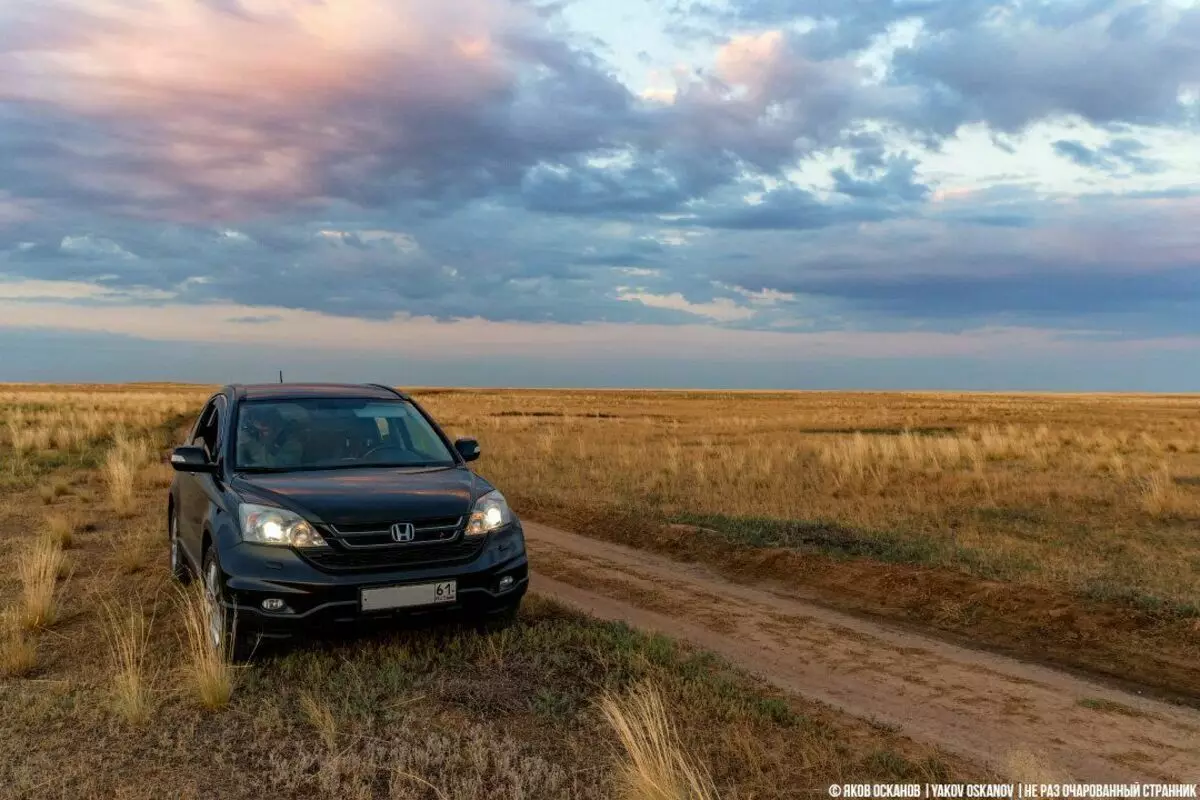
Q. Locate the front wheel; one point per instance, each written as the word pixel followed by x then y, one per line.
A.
pixel 222 626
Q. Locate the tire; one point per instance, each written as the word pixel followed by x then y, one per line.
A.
pixel 181 570
pixel 224 636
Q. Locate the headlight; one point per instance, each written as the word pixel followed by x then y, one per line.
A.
pixel 491 512
pixel 270 525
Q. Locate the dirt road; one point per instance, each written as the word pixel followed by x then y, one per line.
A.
pixel 980 705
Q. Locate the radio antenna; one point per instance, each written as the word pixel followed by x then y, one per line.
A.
pixel 281 376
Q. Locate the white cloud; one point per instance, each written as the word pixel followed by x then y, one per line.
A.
pixel 673 237
pixel 402 242
pixel 89 245
pixel 764 297
pixel 722 309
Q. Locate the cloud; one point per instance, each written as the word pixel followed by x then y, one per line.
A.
pixel 79 291
pixel 424 338
pixel 839 28
pixel 1026 294
pixel 720 309
pixel 841 165
pixel 1105 62
pixel 255 319
pixel 1007 63
pixel 759 297
pixel 1119 155
pixel 1111 262
pixel 374 103
pixel 296 102
pixel 365 239
pixel 584 189
pixel 896 181
pixel 791 209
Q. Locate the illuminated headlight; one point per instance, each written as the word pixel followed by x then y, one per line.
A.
pixel 270 525
pixel 491 512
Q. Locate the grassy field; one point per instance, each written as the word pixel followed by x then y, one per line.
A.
pixel 103 694
pixel 1099 496
pixel 1064 528
pixel 1061 527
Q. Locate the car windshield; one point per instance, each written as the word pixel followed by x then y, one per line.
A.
pixel 331 433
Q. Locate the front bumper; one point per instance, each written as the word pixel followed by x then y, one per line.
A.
pixel 319 601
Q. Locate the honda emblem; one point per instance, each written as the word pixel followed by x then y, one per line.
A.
pixel 403 532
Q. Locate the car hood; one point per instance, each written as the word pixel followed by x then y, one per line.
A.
pixel 351 496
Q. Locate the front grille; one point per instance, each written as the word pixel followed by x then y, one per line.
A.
pixel 338 560
pixel 379 534
pixel 369 546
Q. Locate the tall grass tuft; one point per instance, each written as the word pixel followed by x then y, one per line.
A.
pixel 1157 492
pixel 656 768
pixel 118 477
pixel 38 569
pixel 320 716
pixel 61 528
pixel 209 671
pixel 18 649
pixel 121 467
pixel 127 632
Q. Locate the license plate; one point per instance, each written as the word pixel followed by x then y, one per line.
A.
pixel 421 594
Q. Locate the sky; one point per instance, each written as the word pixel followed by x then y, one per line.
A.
pixel 860 194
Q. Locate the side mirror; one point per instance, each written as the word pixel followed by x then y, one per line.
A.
pixel 467 448
pixel 191 459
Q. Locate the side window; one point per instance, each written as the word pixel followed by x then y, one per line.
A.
pixel 208 431
pixel 197 438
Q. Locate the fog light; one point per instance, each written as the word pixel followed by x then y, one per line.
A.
pixel 506 582
pixel 273 604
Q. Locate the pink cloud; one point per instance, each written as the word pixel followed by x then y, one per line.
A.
pixel 262 105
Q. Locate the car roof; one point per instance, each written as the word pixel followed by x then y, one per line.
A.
pixel 294 391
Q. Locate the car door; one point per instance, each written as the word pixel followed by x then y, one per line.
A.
pixel 195 487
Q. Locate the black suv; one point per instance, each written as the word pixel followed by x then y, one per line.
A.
pixel 306 506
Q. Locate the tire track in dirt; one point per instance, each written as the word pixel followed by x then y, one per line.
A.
pixel 977 704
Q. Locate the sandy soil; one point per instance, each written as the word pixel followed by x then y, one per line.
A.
pixel 980 705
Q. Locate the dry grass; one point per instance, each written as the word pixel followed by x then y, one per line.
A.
pixel 1087 494
pixel 38 570
pixel 158 475
pixel 137 548
pixel 61 529
pixel 1037 491
pixel 1160 496
pixel 127 632
pixel 1026 766
pixel 655 766
pixel 420 714
pixel 320 716
pixel 121 468
pixel 18 649
pixel 1049 491
pixel 208 672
